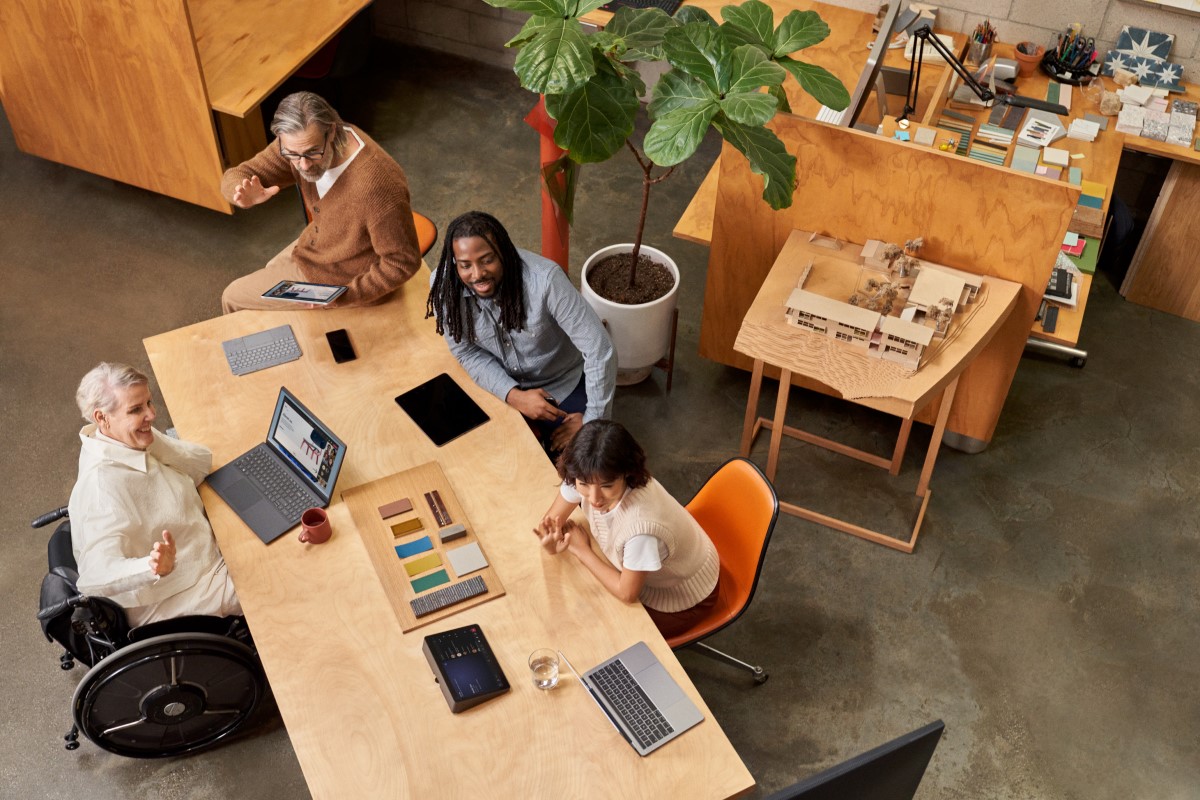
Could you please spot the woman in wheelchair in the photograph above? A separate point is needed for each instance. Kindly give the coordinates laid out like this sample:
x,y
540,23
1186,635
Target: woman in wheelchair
x,y
654,551
138,529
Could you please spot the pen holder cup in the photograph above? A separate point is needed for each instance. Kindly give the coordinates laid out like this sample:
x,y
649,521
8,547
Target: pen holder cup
x,y
1063,72
1027,63
978,53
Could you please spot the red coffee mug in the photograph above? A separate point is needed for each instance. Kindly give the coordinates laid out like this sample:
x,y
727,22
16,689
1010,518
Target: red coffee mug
x,y
314,526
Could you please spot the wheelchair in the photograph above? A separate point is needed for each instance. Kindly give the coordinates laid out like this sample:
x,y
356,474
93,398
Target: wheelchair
x,y
164,689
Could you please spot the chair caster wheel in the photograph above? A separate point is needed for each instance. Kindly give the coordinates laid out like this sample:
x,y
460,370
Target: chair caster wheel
x,y
1077,362
760,677
72,745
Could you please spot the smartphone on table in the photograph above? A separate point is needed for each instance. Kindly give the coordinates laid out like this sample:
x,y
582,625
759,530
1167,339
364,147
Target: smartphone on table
x,y
339,345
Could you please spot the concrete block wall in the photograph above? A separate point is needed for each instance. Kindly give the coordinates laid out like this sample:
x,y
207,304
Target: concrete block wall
x,y
475,30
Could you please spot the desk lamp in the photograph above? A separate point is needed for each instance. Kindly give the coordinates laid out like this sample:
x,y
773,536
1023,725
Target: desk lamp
x,y
925,34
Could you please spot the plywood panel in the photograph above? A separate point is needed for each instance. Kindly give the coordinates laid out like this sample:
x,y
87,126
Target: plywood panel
x,y
856,186
100,84
1164,270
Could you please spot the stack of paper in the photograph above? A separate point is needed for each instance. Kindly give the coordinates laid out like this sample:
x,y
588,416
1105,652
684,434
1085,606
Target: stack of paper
x,y
1083,130
1136,95
994,134
1055,156
1130,119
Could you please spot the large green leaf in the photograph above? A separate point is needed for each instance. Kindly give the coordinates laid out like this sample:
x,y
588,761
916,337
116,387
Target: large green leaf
x,y
690,13
556,59
541,8
750,70
699,50
674,137
767,156
642,32
677,90
749,108
750,23
819,82
781,96
596,119
799,29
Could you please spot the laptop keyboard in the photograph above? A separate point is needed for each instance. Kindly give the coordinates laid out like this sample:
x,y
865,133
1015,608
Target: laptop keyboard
x,y
279,485
632,705
278,346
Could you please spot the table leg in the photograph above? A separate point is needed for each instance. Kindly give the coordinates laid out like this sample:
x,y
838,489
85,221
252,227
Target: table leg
x,y
901,444
785,385
938,429
752,408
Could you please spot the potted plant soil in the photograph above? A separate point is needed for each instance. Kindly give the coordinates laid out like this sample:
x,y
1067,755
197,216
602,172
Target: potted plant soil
x,y
728,77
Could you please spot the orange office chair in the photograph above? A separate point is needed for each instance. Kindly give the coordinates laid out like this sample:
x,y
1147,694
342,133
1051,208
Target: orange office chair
x,y
737,508
427,232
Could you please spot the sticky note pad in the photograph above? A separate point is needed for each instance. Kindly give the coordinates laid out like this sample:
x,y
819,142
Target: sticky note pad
x,y
398,507
431,580
423,564
1091,202
407,526
925,136
1075,176
412,548
1093,188
902,136
466,559
1071,239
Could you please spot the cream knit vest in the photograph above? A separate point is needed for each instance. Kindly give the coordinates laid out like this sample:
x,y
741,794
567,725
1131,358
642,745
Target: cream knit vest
x,y
689,570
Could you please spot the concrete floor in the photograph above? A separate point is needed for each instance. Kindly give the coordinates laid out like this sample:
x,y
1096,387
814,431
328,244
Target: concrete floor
x,y
1049,614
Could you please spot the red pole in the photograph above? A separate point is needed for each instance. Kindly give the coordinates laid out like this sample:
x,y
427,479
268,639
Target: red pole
x,y
556,234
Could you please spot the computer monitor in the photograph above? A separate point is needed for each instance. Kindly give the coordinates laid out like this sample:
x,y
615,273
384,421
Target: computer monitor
x,y
889,772
869,74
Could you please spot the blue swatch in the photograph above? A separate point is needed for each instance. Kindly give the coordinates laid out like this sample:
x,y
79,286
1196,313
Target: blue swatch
x,y
414,547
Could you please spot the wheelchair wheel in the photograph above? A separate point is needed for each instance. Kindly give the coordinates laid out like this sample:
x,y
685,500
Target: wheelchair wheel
x,y
168,695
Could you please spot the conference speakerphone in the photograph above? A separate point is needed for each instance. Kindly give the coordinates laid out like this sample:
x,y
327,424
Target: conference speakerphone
x,y
464,667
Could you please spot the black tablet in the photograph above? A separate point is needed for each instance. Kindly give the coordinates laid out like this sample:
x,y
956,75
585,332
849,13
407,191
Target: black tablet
x,y
442,409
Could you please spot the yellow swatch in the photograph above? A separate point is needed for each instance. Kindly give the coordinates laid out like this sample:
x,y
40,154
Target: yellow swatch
x,y
408,526
423,564
1092,188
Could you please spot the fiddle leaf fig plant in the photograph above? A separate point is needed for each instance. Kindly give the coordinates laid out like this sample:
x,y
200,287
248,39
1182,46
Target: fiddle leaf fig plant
x,y
727,77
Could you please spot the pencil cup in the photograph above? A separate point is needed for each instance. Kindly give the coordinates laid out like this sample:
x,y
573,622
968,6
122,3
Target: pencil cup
x,y
979,52
543,667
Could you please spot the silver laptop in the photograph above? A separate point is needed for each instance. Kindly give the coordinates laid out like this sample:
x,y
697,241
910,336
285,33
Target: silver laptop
x,y
642,701
296,469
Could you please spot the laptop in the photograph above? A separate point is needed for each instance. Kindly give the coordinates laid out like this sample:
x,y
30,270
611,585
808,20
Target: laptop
x,y
296,469
642,701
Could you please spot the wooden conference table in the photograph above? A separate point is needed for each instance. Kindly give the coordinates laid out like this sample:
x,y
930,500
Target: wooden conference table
x,y
356,694
161,94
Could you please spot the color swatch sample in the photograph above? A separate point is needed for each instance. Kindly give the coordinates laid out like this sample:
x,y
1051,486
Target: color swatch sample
x,y
402,506
431,580
466,559
412,548
407,526
423,564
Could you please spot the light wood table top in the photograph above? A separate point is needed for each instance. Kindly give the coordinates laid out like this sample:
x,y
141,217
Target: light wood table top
x,y
249,47
359,701
883,385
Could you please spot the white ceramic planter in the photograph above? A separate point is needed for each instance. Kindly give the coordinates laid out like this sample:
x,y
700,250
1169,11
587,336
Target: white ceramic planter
x,y
641,333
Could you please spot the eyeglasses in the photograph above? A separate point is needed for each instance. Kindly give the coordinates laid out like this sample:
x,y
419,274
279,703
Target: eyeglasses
x,y
311,155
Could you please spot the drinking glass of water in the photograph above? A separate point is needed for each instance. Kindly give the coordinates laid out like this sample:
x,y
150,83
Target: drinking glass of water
x,y
543,665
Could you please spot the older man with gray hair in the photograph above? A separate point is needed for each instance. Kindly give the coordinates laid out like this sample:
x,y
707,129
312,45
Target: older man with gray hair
x,y
361,234
138,527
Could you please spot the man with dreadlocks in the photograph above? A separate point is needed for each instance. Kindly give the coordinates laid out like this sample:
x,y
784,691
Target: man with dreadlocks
x,y
521,330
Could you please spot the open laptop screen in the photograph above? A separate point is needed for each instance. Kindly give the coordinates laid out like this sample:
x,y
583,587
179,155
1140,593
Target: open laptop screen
x,y
309,446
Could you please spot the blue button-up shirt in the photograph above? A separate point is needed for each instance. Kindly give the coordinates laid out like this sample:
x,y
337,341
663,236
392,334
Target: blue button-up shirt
x,y
562,340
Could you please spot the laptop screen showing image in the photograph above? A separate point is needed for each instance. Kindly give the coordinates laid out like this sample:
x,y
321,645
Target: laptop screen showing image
x,y
301,440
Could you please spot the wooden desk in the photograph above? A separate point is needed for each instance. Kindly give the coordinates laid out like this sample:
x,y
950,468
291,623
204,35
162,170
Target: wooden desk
x,y
767,338
161,94
358,699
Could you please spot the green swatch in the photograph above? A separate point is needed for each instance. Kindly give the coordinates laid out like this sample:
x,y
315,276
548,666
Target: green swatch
x,y
431,580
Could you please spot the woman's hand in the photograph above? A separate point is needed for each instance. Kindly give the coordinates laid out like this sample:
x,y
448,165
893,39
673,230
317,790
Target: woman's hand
x,y
579,540
554,537
162,555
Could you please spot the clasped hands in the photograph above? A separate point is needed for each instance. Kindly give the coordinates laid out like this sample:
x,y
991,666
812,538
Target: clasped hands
x,y
538,404
556,536
162,555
